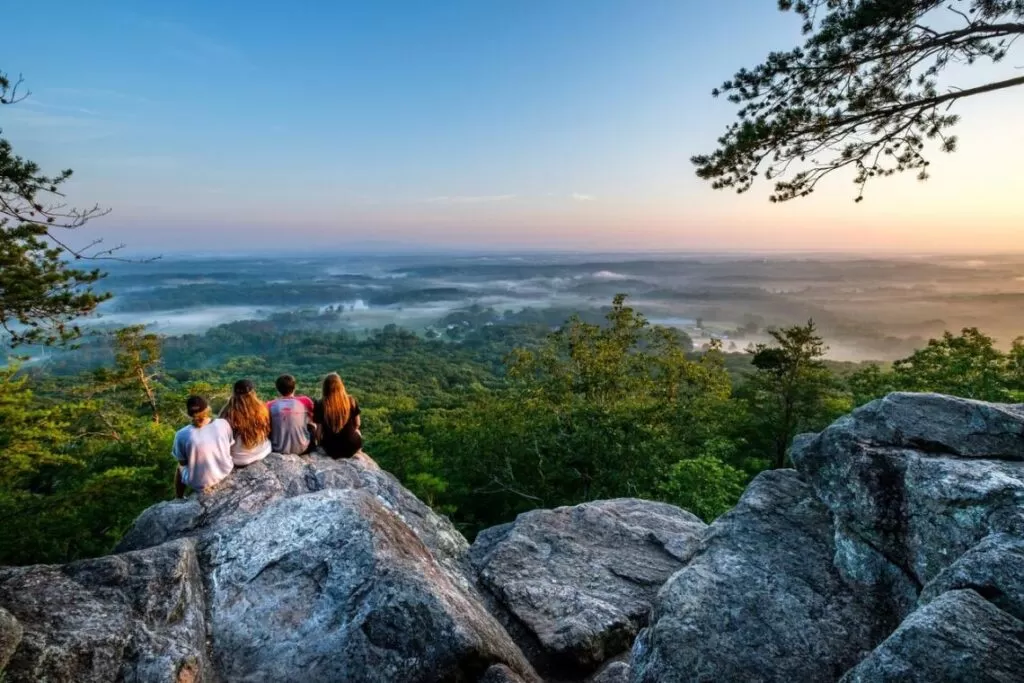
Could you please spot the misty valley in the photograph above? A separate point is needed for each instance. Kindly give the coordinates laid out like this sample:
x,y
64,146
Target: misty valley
x,y
878,308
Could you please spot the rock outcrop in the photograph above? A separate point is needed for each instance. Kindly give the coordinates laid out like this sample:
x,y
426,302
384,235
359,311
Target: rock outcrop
x,y
294,569
958,637
894,552
920,478
577,583
760,600
306,568
139,616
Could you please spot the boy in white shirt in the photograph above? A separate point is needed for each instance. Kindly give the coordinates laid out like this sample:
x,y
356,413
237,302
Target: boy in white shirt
x,y
202,449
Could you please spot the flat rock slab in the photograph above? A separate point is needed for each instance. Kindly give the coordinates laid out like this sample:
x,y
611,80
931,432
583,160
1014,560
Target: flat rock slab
x,y
132,617
940,425
761,599
582,579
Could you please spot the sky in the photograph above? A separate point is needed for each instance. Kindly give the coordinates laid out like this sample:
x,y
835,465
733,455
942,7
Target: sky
x,y
481,124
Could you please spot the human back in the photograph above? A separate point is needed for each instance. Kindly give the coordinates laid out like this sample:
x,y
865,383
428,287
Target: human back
x,y
290,419
337,413
202,448
249,418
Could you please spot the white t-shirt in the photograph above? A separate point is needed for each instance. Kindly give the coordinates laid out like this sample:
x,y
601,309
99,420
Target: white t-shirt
x,y
204,453
247,456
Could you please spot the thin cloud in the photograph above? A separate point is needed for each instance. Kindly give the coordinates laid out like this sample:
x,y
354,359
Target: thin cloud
x,y
478,199
36,118
145,162
55,127
96,94
34,103
580,197
195,47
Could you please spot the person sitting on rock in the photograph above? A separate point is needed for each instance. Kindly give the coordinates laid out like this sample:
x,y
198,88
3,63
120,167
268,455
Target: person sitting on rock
x,y
249,418
337,414
291,419
202,449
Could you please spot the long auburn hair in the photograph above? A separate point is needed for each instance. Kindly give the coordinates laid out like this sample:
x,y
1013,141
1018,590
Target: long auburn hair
x,y
248,416
336,402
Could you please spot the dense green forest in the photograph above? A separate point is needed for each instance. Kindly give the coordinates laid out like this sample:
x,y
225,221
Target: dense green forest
x,y
482,422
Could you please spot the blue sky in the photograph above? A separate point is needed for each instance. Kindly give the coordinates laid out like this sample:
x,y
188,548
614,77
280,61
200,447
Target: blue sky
x,y
486,123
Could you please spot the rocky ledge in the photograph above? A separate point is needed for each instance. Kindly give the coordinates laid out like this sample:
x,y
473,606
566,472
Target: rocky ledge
x,y
894,552
306,568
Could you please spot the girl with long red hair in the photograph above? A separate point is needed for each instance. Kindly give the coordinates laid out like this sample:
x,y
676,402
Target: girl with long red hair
x,y
337,414
250,423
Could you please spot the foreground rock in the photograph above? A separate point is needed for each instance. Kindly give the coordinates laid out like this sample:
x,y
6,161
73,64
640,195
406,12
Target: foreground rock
x,y
895,552
761,599
252,489
921,478
333,586
313,569
296,569
579,581
132,617
959,637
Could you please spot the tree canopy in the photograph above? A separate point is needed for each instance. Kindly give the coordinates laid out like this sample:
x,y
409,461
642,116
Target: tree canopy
x,y
863,92
41,292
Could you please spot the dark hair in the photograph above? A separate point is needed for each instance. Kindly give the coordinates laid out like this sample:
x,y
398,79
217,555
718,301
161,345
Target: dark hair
x,y
285,385
195,405
198,409
243,387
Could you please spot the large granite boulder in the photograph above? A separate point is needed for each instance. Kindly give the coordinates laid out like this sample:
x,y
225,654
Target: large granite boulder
x,y
920,478
334,586
761,599
577,583
958,638
895,552
132,617
295,568
251,489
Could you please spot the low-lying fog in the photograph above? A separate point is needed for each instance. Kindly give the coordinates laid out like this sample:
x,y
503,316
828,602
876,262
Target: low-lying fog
x,y
867,308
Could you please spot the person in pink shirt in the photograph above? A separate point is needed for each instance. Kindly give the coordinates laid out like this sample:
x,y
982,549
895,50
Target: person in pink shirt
x,y
291,419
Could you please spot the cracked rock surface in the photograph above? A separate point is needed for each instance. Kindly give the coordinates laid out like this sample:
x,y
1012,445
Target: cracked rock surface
x,y
296,568
579,581
894,552
760,600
